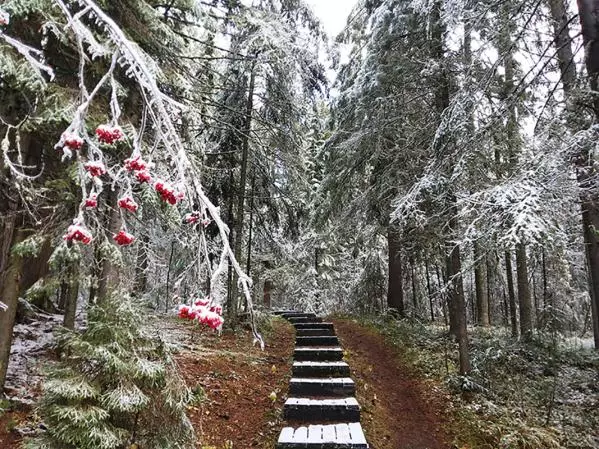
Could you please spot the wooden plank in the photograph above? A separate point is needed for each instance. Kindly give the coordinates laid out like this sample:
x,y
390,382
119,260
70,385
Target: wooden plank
x,y
357,434
286,435
300,435
343,435
314,434
328,434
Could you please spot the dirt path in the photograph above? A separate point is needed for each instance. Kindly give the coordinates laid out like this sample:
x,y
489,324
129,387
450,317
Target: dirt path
x,y
238,379
398,410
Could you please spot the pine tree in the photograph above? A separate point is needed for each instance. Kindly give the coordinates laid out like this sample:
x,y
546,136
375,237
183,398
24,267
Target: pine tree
x,y
114,386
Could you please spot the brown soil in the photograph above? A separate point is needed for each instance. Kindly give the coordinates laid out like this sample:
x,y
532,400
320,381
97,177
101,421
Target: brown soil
x,y
8,421
238,379
398,409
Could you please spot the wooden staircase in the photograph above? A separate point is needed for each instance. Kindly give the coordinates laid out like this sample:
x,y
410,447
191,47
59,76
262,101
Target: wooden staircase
x,y
321,408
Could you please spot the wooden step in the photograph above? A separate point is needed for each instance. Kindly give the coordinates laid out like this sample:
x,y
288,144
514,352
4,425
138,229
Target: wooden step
x,y
332,436
320,369
322,410
320,340
320,354
282,312
320,386
304,319
314,332
313,325
290,315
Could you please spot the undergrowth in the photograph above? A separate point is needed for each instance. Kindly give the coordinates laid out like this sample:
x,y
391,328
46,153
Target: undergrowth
x,y
518,396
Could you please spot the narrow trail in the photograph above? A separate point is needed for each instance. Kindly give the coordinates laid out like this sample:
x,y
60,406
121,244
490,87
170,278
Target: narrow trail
x,y
397,409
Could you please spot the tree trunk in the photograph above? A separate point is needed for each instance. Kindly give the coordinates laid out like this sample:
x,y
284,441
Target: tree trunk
x,y
167,298
10,288
480,282
70,310
524,299
232,310
109,274
511,294
429,290
141,266
267,292
395,301
587,11
456,297
414,293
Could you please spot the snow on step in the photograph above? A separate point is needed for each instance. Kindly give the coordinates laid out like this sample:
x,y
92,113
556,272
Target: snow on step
x,y
315,410
314,386
290,315
322,354
313,325
301,319
333,436
283,312
320,369
319,340
317,331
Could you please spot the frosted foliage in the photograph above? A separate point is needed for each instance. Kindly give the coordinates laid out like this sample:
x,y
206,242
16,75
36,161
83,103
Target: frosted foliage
x,y
98,36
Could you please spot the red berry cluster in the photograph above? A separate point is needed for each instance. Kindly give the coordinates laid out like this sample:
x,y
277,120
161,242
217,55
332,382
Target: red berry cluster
x,y
167,192
109,134
72,141
127,202
95,168
92,201
210,316
123,238
78,233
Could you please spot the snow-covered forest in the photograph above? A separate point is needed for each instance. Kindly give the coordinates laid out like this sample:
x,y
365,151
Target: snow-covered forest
x,y
431,170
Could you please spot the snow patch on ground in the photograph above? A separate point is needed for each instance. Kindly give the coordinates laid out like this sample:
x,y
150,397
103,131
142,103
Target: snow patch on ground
x,y
28,352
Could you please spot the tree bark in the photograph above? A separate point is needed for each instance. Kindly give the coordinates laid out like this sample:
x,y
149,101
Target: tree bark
x,y
587,11
457,300
141,266
267,293
414,292
10,287
72,294
511,294
429,290
109,275
480,281
395,298
232,310
524,299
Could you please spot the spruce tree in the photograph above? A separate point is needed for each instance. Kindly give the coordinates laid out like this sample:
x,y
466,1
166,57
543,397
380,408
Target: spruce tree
x,y
114,387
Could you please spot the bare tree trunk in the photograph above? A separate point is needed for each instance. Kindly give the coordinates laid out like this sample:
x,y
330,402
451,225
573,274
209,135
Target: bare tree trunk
x,y
490,268
109,275
395,298
9,294
267,292
141,266
585,165
480,281
511,293
524,300
414,293
456,298
232,310
72,294
167,298
429,290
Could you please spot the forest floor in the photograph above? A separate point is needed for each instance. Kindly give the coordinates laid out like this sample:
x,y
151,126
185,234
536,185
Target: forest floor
x,y
534,395
237,381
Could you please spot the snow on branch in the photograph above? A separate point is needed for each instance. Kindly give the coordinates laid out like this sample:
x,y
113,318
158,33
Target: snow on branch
x,y
160,110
